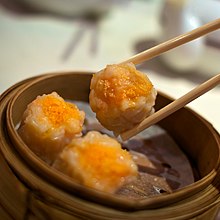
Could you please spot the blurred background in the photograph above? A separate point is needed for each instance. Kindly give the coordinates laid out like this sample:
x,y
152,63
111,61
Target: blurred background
x,y
38,36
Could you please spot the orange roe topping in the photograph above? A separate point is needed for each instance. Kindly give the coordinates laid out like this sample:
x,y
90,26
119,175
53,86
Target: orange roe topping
x,y
57,110
127,83
104,162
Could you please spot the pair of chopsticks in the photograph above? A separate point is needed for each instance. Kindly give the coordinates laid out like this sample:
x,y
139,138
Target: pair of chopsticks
x,y
188,97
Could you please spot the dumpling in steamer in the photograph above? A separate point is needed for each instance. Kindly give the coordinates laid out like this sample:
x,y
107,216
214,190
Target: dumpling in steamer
x,y
121,97
48,124
97,161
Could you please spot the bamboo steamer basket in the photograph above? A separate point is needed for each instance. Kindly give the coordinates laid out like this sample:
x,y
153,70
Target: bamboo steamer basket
x,y
30,189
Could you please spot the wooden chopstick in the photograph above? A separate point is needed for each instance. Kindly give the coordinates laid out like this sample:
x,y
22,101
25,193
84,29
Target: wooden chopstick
x,y
174,42
172,107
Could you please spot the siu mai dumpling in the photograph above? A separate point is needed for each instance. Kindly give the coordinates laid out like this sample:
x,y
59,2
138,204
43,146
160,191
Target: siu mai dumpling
x,y
97,161
48,124
121,97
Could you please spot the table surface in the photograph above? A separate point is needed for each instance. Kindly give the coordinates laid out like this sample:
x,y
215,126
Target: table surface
x,y
33,43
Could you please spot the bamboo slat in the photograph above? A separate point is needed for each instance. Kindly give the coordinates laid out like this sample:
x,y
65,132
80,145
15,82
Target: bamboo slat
x,y
13,194
4,215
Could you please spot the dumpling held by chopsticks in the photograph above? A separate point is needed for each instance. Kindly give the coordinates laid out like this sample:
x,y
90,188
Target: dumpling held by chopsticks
x,y
121,97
